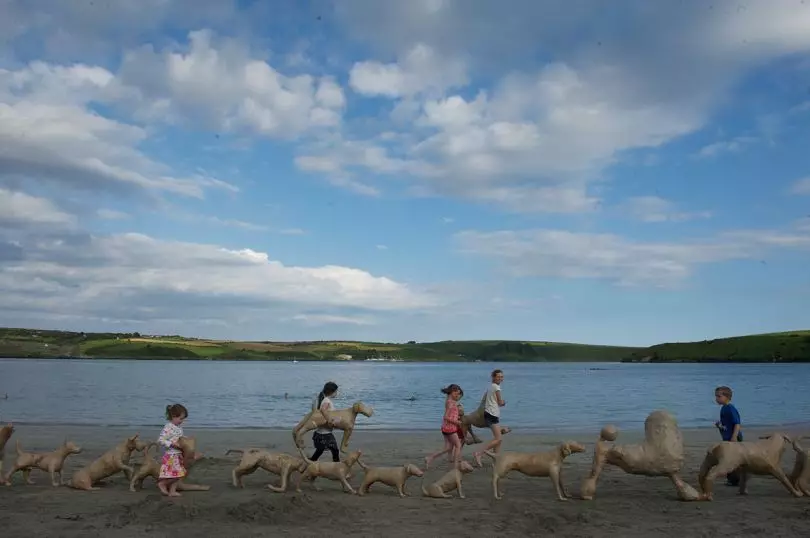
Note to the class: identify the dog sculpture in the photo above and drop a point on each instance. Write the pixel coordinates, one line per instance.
(151, 468)
(5, 434)
(800, 476)
(51, 462)
(449, 481)
(661, 454)
(333, 470)
(548, 464)
(476, 418)
(254, 458)
(111, 462)
(343, 419)
(762, 457)
(396, 477)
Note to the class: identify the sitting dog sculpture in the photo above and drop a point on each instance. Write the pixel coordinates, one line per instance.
(51, 462)
(541, 464)
(111, 462)
(5, 434)
(255, 458)
(661, 454)
(342, 419)
(800, 476)
(151, 468)
(762, 457)
(396, 477)
(333, 470)
(449, 481)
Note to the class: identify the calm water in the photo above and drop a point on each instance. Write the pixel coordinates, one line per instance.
(560, 396)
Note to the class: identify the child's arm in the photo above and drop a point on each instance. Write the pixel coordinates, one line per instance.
(501, 403)
(735, 419)
(167, 438)
(326, 409)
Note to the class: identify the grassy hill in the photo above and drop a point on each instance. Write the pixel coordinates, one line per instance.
(54, 344)
(792, 346)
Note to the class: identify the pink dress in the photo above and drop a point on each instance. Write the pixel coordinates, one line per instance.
(171, 466)
(450, 416)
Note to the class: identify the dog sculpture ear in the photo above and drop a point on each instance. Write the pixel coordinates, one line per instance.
(566, 450)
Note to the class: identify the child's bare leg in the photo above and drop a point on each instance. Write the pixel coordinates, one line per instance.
(494, 445)
(173, 488)
(447, 448)
(161, 484)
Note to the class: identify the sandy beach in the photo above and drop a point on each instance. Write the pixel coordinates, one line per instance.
(626, 506)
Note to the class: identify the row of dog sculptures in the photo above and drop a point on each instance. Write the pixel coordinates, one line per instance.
(660, 455)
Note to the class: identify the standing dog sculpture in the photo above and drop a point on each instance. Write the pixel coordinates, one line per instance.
(255, 458)
(450, 481)
(476, 418)
(396, 477)
(51, 462)
(800, 476)
(333, 470)
(5, 435)
(541, 464)
(762, 457)
(151, 468)
(344, 420)
(111, 462)
(661, 454)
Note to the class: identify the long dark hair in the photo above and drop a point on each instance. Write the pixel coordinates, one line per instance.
(328, 389)
(452, 388)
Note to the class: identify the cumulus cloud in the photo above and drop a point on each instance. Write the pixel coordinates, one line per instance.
(67, 271)
(657, 209)
(801, 186)
(566, 254)
(218, 85)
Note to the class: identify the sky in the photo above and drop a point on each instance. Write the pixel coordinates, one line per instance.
(621, 173)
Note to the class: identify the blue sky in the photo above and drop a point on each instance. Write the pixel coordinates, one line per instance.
(380, 170)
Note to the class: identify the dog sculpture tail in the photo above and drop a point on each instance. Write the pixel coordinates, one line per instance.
(424, 490)
(234, 451)
(796, 446)
(18, 447)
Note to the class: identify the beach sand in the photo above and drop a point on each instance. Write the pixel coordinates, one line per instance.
(625, 506)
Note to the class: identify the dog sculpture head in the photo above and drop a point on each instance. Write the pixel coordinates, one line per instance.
(140, 446)
(69, 447)
(188, 445)
(776, 437)
(362, 409)
(464, 467)
(6, 431)
(131, 443)
(413, 470)
(609, 433)
(570, 447)
(352, 458)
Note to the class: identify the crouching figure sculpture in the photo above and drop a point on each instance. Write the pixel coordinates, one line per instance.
(661, 454)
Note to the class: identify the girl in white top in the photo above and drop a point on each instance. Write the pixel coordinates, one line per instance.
(492, 414)
(323, 438)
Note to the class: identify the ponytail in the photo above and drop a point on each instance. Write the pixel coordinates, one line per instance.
(321, 396)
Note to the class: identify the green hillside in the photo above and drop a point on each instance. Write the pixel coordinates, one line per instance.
(793, 346)
(53, 344)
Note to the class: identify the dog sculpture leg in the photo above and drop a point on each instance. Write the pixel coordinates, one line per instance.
(556, 479)
(239, 472)
(344, 442)
(286, 470)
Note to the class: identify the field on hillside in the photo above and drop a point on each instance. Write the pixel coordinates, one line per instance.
(792, 346)
(44, 344)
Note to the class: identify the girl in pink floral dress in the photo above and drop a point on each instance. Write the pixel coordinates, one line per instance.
(172, 469)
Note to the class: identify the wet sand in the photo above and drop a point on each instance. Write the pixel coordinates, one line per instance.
(625, 506)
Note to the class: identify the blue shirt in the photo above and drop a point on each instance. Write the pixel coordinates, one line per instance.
(729, 417)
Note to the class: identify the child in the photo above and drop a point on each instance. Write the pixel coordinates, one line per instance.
(323, 438)
(729, 425)
(451, 426)
(492, 414)
(171, 466)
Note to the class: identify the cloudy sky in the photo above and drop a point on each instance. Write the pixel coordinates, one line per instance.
(622, 172)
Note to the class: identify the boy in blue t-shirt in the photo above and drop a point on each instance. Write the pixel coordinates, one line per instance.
(729, 425)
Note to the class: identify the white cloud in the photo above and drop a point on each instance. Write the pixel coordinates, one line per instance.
(382, 247)
(47, 132)
(327, 319)
(801, 186)
(735, 145)
(18, 208)
(135, 276)
(657, 209)
(420, 69)
(566, 254)
(217, 84)
(112, 214)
